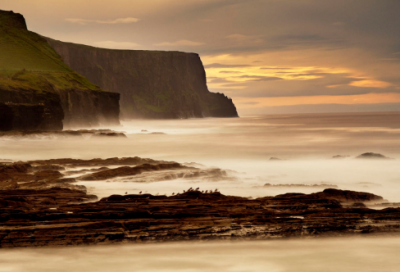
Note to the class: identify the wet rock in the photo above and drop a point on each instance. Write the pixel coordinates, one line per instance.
(68, 162)
(39, 206)
(371, 155)
(130, 171)
(63, 217)
(340, 157)
(321, 185)
(41, 134)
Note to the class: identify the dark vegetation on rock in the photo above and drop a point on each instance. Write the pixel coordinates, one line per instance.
(152, 84)
(31, 72)
(40, 206)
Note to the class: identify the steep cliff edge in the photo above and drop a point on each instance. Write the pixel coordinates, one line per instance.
(152, 84)
(32, 73)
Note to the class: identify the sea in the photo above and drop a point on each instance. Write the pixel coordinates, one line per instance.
(262, 155)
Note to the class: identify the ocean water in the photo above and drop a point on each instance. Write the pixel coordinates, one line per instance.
(242, 147)
(368, 254)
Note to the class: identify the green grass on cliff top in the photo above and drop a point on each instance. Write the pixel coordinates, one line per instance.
(28, 61)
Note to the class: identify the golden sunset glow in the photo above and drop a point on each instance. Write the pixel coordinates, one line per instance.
(254, 50)
(372, 98)
(370, 84)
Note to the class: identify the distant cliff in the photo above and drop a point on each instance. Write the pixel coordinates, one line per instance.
(36, 85)
(152, 84)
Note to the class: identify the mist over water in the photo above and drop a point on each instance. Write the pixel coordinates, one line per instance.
(305, 143)
(242, 147)
(309, 255)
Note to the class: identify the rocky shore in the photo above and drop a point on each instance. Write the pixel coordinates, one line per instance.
(41, 206)
(40, 134)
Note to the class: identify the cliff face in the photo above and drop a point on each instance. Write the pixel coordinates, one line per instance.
(82, 108)
(20, 116)
(31, 72)
(152, 84)
(23, 113)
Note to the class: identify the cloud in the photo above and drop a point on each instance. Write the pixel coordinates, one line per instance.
(370, 98)
(370, 84)
(127, 20)
(219, 65)
(116, 45)
(275, 68)
(257, 78)
(180, 43)
(229, 72)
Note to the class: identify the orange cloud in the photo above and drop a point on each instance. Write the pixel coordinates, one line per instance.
(371, 98)
(370, 84)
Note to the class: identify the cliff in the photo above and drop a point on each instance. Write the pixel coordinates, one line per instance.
(32, 73)
(152, 84)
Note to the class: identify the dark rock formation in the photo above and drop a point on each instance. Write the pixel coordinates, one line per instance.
(321, 185)
(20, 116)
(152, 84)
(43, 134)
(31, 110)
(130, 171)
(31, 72)
(96, 162)
(53, 218)
(40, 207)
(341, 195)
(371, 155)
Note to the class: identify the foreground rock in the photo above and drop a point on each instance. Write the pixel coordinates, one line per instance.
(49, 218)
(41, 206)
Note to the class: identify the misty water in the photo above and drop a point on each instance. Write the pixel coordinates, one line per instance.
(243, 148)
(312, 255)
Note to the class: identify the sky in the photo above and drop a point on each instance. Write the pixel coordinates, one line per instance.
(269, 56)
